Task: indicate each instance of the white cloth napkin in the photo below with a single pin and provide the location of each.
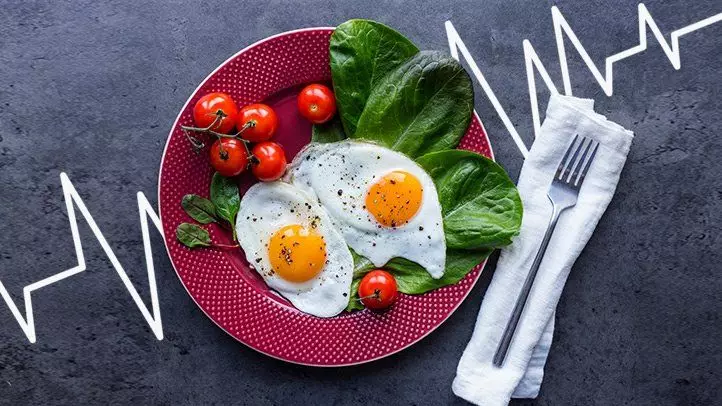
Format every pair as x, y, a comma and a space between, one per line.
477, 379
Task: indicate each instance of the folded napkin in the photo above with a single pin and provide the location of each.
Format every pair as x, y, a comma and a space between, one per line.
477, 379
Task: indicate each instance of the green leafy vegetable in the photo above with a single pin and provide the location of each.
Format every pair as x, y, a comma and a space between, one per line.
362, 52
330, 131
193, 235
225, 196
413, 279
361, 266
422, 106
199, 208
480, 205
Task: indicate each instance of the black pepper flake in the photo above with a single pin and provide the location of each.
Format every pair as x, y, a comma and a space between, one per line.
421, 228
258, 260
286, 255
428, 236
345, 294
340, 192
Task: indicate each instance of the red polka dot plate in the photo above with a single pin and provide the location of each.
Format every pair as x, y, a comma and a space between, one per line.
222, 283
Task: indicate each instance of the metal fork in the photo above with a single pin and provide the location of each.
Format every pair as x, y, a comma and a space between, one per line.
563, 194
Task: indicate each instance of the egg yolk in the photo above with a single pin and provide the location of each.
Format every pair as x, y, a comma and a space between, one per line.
395, 198
297, 254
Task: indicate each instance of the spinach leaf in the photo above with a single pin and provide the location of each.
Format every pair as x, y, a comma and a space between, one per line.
362, 52
192, 235
422, 106
225, 196
353, 300
412, 278
330, 131
480, 205
361, 266
199, 208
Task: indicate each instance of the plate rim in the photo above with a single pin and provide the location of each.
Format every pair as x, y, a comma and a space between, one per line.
175, 269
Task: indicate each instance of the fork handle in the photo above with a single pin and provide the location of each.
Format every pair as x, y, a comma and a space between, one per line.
506, 338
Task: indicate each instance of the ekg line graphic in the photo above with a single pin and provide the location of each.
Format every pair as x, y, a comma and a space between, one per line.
561, 29
72, 199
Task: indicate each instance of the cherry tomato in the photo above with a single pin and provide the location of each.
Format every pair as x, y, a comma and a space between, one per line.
229, 156
269, 161
261, 121
377, 289
208, 108
317, 103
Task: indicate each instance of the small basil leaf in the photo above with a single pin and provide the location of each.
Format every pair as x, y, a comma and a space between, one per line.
330, 131
225, 196
363, 52
480, 205
199, 208
192, 235
422, 106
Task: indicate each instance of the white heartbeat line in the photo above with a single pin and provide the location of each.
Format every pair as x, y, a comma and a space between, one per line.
562, 28
71, 196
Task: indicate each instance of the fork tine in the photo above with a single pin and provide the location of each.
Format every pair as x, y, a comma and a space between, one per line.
583, 172
572, 161
579, 166
563, 162
579, 163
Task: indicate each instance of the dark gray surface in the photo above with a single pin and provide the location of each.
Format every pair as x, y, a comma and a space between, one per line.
92, 89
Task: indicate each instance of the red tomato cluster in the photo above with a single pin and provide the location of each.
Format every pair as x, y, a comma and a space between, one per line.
230, 155
235, 129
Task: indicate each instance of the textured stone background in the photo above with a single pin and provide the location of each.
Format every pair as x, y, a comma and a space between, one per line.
92, 89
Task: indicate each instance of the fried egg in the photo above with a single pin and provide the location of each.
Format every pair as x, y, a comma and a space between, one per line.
383, 203
292, 243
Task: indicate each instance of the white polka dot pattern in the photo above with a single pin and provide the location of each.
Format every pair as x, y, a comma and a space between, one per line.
221, 282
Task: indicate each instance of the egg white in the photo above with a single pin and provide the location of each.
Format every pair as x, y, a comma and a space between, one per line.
266, 208
340, 174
